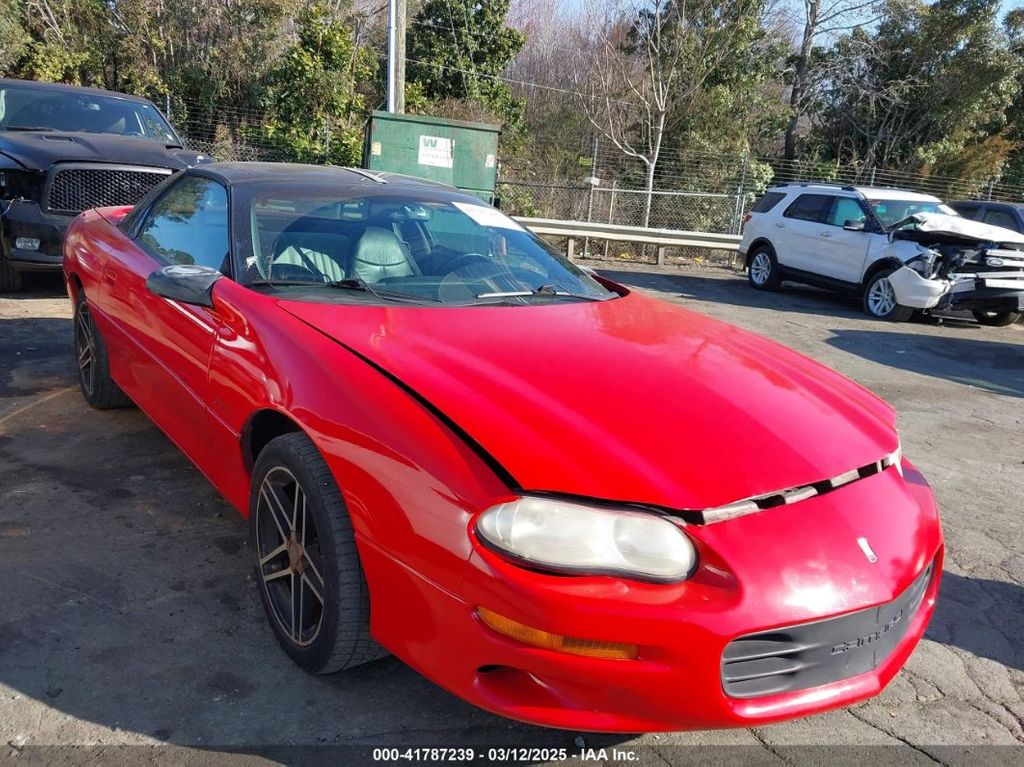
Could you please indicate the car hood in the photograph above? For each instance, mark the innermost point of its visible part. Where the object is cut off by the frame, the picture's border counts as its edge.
(631, 399)
(937, 228)
(39, 150)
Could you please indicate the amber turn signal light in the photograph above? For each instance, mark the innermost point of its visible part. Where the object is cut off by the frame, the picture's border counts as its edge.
(590, 648)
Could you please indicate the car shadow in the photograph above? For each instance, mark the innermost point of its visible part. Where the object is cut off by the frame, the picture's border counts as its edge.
(991, 365)
(128, 601)
(984, 617)
(730, 286)
(723, 286)
(39, 285)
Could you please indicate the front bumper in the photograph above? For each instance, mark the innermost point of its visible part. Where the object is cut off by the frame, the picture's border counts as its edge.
(25, 219)
(682, 630)
(988, 295)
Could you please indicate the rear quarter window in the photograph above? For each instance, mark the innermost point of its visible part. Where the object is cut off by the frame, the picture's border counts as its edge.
(766, 203)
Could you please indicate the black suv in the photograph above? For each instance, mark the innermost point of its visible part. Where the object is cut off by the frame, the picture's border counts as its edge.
(1008, 215)
(65, 149)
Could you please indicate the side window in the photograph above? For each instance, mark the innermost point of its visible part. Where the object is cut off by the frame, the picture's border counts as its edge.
(769, 201)
(967, 211)
(846, 209)
(189, 224)
(1000, 218)
(810, 207)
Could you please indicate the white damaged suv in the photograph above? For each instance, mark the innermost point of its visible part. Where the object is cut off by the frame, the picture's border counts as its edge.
(899, 250)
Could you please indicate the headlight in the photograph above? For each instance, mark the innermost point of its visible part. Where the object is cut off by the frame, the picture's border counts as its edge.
(572, 538)
(18, 183)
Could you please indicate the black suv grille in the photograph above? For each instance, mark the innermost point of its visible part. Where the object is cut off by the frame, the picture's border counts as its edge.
(78, 188)
(818, 653)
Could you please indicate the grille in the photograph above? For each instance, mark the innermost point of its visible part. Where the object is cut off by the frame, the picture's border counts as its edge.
(74, 189)
(813, 654)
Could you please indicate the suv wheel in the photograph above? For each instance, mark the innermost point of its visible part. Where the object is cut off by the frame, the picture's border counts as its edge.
(10, 278)
(880, 299)
(763, 271)
(996, 319)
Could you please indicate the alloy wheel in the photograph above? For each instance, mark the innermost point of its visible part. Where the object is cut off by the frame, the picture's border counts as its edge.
(290, 560)
(760, 268)
(85, 345)
(881, 297)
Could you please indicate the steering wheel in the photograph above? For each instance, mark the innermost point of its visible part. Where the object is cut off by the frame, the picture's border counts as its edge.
(466, 259)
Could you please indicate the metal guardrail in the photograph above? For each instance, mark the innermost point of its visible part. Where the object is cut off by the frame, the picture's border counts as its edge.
(663, 238)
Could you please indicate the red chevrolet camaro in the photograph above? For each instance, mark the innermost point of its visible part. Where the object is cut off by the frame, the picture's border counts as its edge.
(559, 499)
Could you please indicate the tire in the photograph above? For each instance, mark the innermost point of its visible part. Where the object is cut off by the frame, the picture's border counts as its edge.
(763, 270)
(315, 552)
(996, 319)
(10, 278)
(880, 299)
(94, 379)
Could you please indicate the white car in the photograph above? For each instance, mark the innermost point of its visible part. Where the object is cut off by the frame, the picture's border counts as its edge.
(843, 238)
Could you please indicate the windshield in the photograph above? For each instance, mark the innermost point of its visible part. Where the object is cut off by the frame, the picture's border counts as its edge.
(27, 108)
(435, 249)
(891, 212)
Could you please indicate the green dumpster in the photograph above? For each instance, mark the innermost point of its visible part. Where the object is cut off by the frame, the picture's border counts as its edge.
(461, 154)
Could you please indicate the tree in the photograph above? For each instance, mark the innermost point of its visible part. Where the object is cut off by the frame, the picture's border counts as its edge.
(654, 60)
(14, 40)
(459, 49)
(316, 111)
(929, 90)
(819, 19)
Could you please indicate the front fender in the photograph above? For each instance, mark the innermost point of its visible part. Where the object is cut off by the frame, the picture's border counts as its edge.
(913, 290)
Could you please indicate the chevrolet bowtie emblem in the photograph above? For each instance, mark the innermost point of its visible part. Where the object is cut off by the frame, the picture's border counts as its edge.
(868, 551)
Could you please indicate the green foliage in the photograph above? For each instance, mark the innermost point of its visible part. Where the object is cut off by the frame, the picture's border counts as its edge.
(458, 48)
(316, 112)
(14, 40)
(930, 90)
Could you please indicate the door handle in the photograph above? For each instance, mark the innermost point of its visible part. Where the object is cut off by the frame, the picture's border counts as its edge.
(110, 276)
(780, 224)
(825, 234)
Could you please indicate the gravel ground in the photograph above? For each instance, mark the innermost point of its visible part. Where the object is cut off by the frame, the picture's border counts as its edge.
(127, 617)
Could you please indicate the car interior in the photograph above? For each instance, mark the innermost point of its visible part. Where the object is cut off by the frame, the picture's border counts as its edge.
(431, 250)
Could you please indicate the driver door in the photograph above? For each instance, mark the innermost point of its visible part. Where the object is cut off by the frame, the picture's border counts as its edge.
(173, 341)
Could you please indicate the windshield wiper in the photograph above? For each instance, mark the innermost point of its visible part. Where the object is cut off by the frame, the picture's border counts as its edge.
(351, 283)
(29, 128)
(543, 290)
(358, 283)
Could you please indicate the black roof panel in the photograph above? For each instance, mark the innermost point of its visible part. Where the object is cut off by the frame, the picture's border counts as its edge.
(65, 88)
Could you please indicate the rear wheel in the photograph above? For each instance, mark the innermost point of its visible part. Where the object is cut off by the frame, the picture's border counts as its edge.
(880, 299)
(763, 271)
(308, 572)
(10, 278)
(996, 319)
(97, 386)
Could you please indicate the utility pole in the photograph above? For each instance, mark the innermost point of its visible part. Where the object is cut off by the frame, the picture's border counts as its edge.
(396, 56)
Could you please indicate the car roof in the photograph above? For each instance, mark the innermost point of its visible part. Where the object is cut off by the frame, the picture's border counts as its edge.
(65, 88)
(883, 193)
(870, 192)
(1018, 205)
(235, 173)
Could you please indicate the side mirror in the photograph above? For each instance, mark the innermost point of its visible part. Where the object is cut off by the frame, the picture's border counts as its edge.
(854, 226)
(187, 283)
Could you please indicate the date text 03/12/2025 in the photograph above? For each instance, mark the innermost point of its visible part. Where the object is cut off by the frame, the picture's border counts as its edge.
(511, 754)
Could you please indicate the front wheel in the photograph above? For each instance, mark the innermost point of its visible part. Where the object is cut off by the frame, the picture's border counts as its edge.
(10, 278)
(996, 319)
(94, 379)
(307, 569)
(880, 299)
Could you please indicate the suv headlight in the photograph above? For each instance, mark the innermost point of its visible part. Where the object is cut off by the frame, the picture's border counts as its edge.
(552, 534)
(19, 183)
